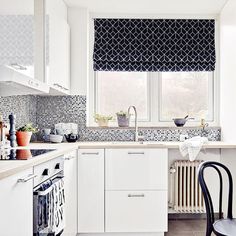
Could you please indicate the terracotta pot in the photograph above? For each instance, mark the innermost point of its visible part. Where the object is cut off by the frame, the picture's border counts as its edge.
(23, 138)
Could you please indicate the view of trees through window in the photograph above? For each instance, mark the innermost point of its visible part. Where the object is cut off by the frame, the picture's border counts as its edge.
(179, 94)
(186, 93)
(117, 91)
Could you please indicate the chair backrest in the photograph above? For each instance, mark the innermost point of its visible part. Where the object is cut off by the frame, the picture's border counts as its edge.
(206, 193)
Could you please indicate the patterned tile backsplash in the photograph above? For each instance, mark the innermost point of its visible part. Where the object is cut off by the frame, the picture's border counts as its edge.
(45, 111)
(24, 107)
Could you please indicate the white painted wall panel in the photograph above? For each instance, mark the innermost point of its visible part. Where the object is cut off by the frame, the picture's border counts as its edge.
(228, 71)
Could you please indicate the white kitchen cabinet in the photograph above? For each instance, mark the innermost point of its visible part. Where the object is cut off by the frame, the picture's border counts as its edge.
(91, 191)
(52, 40)
(16, 204)
(70, 173)
(58, 50)
(136, 211)
(136, 190)
(136, 169)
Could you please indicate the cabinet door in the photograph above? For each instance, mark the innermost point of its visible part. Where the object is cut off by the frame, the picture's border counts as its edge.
(91, 191)
(136, 211)
(70, 173)
(136, 169)
(58, 49)
(16, 204)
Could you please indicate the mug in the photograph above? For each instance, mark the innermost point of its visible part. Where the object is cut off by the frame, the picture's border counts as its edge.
(46, 131)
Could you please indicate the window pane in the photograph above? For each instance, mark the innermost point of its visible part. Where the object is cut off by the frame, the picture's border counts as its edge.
(186, 93)
(117, 91)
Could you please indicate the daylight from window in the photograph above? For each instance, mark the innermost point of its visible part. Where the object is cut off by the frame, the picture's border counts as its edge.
(117, 91)
(177, 93)
(186, 93)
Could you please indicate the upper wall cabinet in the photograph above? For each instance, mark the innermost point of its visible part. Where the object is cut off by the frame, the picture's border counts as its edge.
(58, 50)
(53, 41)
(17, 41)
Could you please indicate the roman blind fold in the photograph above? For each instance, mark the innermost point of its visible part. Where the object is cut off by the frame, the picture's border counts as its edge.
(154, 45)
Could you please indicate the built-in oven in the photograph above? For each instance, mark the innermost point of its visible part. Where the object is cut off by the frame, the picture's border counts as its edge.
(49, 198)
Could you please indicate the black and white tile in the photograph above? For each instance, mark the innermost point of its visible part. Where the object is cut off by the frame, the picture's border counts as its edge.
(45, 111)
(51, 110)
(24, 108)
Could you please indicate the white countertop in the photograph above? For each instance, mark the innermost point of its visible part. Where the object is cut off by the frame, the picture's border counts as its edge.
(130, 144)
(8, 168)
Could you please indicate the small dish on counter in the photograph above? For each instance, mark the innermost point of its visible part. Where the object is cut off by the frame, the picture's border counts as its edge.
(55, 138)
(71, 138)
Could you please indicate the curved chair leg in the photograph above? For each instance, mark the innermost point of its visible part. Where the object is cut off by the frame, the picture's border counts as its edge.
(208, 231)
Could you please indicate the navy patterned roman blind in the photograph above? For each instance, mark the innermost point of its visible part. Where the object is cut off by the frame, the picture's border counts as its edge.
(154, 45)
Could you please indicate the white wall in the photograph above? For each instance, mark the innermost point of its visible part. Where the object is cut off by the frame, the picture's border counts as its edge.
(228, 71)
(16, 7)
(78, 19)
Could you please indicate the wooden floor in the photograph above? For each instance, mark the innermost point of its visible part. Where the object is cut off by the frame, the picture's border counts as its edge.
(187, 228)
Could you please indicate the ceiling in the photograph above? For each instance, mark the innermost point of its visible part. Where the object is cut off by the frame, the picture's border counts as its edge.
(151, 6)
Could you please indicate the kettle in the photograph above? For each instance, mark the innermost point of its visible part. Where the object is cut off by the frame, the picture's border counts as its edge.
(72, 137)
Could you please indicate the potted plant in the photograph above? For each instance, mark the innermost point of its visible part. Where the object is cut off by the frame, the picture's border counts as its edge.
(24, 133)
(123, 118)
(102, 120)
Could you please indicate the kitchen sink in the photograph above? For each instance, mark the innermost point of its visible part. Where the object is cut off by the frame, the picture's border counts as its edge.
(137, 143)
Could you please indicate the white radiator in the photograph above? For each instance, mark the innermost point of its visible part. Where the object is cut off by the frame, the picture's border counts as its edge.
(188, 196)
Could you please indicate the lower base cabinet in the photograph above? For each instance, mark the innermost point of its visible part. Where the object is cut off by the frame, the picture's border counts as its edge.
(122, 191)
(91, 191)
(136, 211)
(16, 204)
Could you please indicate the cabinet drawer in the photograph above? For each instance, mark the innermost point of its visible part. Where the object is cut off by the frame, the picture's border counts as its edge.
(45, 170)
(136, 169)
(136, 211)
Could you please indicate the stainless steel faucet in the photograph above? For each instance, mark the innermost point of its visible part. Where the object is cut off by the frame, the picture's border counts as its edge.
(136, 136)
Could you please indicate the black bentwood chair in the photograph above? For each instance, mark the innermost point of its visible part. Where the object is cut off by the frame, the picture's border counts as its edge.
(221, 227)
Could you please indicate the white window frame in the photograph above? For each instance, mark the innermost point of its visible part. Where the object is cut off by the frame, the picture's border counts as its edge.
(154, 81)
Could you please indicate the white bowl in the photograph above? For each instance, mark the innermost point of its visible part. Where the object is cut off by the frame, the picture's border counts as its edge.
(55, 138)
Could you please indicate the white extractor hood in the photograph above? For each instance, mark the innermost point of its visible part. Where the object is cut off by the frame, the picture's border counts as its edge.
(16, 80)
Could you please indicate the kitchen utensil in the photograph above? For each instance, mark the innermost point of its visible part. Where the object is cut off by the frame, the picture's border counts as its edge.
(67, 128)
(46, 131)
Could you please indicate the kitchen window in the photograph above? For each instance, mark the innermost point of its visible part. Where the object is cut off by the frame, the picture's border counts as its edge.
(158, 96)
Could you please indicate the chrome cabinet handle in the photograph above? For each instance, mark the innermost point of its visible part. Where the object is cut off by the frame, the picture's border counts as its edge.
(136, 195)
(90, 153)
(23, 180)
(59, 86)
(136, 153)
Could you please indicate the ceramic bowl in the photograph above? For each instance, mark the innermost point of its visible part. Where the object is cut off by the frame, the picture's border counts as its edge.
(55, 138)
(180, 122)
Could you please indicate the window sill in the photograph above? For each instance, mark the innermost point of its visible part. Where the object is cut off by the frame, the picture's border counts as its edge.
(153, 127)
